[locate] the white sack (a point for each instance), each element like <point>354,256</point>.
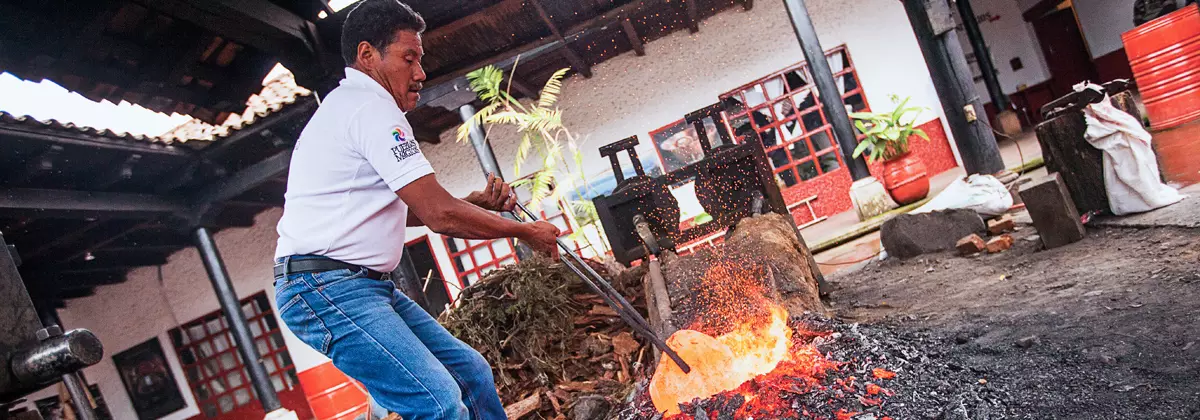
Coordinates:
<point>1131,175</point>
<point>983,193</point>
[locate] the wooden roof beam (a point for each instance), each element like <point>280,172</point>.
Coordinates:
<point>521,87</point>
<point>693,15</point>
<point>257,23</point>
<point>571,55</point>
<point>634,39</point>
<point>45,203</point>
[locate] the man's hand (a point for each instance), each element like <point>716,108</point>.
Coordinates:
<point>497,196</point>
<point>542,237</point>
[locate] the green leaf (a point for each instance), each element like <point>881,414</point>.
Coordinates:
<point>858,151</point>
<point>921,133</point>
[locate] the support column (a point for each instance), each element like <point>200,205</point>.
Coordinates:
<point>982,55</point>
<point>487,161</point>
<point>955,87</point>
<point>869,197</point>
<point>232,308</point>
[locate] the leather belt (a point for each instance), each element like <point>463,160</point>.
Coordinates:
<point>291,266</point>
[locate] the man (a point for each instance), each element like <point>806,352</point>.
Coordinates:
<point>357,179</point>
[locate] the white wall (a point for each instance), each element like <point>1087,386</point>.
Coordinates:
<point>1008,36</point>
<point>126,314</point>
<point>682,72</point>
<point>1103,22</point>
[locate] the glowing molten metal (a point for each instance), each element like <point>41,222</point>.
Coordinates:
<point>722,363</point>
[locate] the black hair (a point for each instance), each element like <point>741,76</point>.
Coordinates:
<point>376,22</point>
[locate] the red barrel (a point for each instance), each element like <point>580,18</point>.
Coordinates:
<point>1165,56</point>
<point>333,395</point>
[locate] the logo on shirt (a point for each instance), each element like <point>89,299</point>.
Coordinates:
<point>406,148</point>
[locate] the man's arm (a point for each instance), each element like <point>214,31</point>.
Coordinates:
<point>497,196</point>
<point>430,203</point>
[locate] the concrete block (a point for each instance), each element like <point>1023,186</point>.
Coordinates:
<point>999,244</point>
<point>971,244</point>
<point>910,235</point>
<point>1002,224</point>
<point>870,198</point>
<point>1053,213</point>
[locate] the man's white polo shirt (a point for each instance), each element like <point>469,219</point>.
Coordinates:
<point>354,153</point>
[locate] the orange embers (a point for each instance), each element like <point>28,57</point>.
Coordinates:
<point>883,373</point>
<point>757,340</point>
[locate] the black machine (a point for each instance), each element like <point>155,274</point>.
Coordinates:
<point>733,181</point>
<point>33,356</point>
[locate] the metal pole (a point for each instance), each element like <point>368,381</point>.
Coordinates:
<point>956,90</point>
<point>831,98</point>
<point>232,308</point>
<point>79,397</point>
<point>483,149</point>
<point>487,162</point>
<point>982,55</point>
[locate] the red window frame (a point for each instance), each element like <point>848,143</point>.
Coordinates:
<point>813,157</point>
<point>463,250</point>
<point>208,373</point>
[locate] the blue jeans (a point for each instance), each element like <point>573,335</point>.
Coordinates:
<point>376,335</point>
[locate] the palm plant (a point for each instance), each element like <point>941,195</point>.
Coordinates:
<point>887,133</point>
<point>539,124</point>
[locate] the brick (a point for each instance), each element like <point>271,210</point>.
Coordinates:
<point>1052,211</point>
<point>1001,224</point>
<point>1000,244</point>
<point>970,244</point>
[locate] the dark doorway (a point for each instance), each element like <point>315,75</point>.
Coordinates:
<point>436,293</point>
<point>1065,50</point>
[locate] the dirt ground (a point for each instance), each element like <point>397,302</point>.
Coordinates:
<point>1105,328</point>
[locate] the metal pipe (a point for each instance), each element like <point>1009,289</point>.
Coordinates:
<point>232,308</point>
<point>612,297</point>
<point>79,397</point>
<point>55,354</point>
<point>831,98</point>
<point>982,56</point>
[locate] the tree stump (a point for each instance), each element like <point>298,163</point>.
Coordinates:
<point>1066,151</point>
<point>764,248</point>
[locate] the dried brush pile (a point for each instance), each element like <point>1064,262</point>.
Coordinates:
<point>554,346</point>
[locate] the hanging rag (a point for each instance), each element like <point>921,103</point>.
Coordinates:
<point>1131,175</point>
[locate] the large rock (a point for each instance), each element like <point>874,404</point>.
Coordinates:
<point>910,235</point>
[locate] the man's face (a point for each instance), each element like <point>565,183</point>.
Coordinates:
<point>398,68</point>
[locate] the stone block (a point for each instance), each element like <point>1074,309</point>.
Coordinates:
<point>970,245</point>
<point>1053,212</point>
<point>1002,224</point>
<point>999,244</point>
<point>910,235</point>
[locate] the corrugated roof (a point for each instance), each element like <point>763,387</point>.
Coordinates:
<point>276,95</point>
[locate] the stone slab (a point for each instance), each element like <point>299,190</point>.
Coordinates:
<point>1053,212</point>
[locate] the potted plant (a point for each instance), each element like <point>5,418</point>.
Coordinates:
<point>887,138</point>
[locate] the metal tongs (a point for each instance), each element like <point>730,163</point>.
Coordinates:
<point>610,295</point>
